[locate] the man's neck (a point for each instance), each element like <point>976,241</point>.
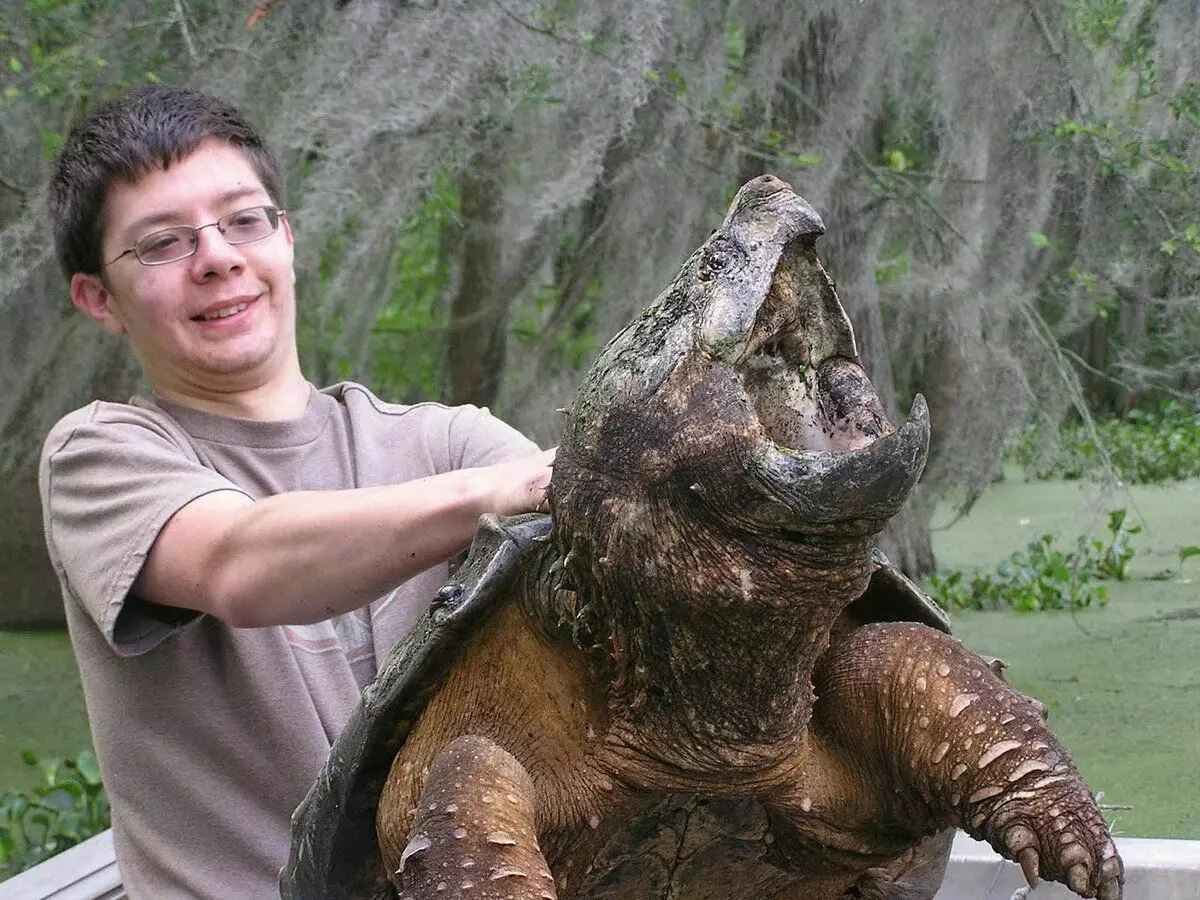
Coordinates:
<point>273,400</point>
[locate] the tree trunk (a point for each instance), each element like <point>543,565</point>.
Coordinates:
<point>479,311</point>
<point>27,583</point>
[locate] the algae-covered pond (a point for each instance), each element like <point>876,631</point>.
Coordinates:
<point>1122,682</point>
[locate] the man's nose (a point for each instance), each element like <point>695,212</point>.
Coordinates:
<point>214,254</point>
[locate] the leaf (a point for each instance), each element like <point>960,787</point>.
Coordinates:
<point>1186,553</point>
<point>16,804</point>
<point>89,768</point>
<point>29,757</point>
<point>1038,239</point>
<point>16,65</point>
<point>800,160</point>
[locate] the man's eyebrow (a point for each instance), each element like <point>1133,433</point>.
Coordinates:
<point>167,217</point>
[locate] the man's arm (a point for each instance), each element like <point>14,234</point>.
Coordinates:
<point>300,557</point>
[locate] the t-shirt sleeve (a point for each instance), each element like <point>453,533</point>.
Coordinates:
<point>477,438</point>
<point>110,478</point>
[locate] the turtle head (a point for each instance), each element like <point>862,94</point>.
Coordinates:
<point>741,387</point>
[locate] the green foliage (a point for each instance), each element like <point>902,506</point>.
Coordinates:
<point>406,346</point>
<point>773,142</point>
<point>571,342</point>
<point>1141,135</point>
<point>566,332</point>
<point>1042,577</point>
<point>1185,104</point>
<point>1112,559</point>
<point>532,86</point>
<point>908,140</point>
<point>69,807</point>
<point>1100,23</point>
<point>406,357</point>
<point>895,261</point>
<point>58,66</point>
<point>1145,447</point>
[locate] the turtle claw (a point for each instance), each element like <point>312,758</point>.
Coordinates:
<point>1077,878</point>
<point>1091,869</point>
<point>1110,890</point>
<point>1028,859</point>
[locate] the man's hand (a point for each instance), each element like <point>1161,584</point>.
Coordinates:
<point>519,485</point>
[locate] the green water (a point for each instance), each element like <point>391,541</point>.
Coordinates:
<point>41,703</point>
<point>1122,683</point>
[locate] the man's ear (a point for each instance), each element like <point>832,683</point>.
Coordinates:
<point>94,300</point>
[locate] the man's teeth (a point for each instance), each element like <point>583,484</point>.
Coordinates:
<point>224,313</point>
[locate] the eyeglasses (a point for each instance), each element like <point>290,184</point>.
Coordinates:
<point>173,244</point>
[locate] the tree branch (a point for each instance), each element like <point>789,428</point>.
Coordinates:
<point>181,20</point>
<point>16,189</point>
<point>1076,94</point>
<point>537,29</point>
<point>1078,98</point>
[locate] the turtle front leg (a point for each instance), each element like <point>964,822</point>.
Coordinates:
<point>475,834</point>
<point>959,746</point>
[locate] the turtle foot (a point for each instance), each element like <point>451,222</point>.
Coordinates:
<point>475,833</point>
<point>1063,839</point>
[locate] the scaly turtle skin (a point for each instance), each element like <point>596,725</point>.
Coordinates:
<point>698,680</point>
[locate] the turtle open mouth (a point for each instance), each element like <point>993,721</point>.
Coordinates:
<point>829,450</point>
<point>802,374</point>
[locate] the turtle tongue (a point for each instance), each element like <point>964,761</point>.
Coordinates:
<point>848,406</point>
<point>835,408</point>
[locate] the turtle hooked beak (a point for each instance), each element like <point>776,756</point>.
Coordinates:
<point>824,487</point>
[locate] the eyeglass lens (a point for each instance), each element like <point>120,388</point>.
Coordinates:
<point>239,227</point>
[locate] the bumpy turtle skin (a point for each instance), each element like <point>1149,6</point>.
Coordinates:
<point>335,851</point>
<point>476,832</point>
<point>997,770</point>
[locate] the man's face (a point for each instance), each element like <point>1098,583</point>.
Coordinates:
<point>170,311</point>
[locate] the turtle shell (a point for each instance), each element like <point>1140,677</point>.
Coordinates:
<point>335,852</point>
<point>892,597</point>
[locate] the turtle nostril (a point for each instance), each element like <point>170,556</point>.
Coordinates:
<point>766,185</point>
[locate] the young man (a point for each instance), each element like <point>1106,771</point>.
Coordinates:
<point>237,550</point>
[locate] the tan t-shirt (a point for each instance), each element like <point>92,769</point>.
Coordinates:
<point>208,736</point>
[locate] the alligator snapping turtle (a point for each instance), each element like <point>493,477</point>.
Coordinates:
<point>698,680</point>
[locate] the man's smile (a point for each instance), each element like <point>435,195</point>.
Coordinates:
<point>226,309</point>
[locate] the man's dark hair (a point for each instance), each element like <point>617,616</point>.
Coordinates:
<point>144,129</point>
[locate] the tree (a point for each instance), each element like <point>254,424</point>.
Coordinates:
<point>1008,187</point>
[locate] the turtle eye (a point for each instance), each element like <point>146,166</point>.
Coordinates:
<point>719,256</point>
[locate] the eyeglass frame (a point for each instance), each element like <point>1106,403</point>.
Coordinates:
<point>195,238</point>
